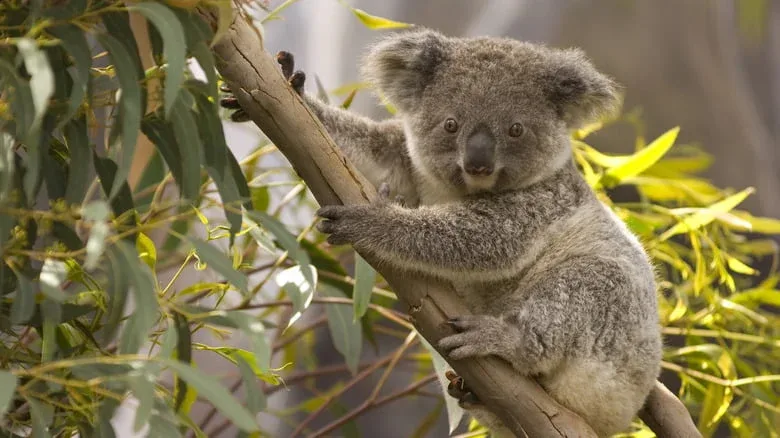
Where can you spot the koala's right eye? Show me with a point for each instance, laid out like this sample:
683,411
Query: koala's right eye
450,125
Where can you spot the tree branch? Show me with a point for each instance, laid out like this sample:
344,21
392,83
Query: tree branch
254,76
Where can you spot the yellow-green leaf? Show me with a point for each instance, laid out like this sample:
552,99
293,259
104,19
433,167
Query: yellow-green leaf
146,250
641,160
375,23
763,225
704,216
225,11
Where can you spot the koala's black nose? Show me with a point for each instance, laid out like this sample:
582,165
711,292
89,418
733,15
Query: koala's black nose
479,156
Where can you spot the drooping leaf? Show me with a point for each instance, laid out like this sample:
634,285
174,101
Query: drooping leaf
136,329
143,390
7,388
80,169
216,393
175,47
24,301
126,66
75,43
255,398
183,354
160,132
440,367
364,285
345,332
190,144
225,19
285,239
42,415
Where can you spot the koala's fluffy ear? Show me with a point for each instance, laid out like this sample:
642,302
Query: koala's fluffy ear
580,93
403,64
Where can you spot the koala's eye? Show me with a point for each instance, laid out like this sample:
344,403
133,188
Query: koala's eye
450,125
516,130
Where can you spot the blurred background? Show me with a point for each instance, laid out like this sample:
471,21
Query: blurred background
711,67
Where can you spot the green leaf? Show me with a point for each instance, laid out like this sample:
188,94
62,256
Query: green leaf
143,389
75,43
7,387
190,144
53,274
146,250
42,415
199,34
220,263
136,330
364,285
344,330
24,301
704,216
440,367
80,169
255,398
131,110
763,225
175,48
21,101
183,354
216,393
298,288
375,23
641,160
160,132
761,296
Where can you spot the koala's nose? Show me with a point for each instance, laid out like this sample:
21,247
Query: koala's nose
479,156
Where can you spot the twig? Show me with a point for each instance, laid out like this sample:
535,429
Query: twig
371,404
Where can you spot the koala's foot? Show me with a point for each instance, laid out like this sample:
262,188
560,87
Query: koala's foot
296,80
458,389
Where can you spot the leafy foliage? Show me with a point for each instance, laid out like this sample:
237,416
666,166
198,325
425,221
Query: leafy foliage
112,280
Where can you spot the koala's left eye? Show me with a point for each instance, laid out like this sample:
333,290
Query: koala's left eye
516,130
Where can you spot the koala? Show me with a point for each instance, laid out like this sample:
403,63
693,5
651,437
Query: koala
479,150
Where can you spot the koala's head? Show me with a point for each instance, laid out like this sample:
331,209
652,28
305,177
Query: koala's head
487,114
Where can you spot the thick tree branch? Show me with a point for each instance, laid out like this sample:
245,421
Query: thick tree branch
253,75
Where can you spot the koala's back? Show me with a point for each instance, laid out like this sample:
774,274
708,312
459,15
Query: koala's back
608,370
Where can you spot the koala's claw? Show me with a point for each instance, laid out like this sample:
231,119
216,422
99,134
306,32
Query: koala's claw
457,389
296,79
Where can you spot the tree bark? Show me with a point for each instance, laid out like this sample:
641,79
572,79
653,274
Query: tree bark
254,76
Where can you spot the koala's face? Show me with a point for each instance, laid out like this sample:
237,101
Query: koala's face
487,114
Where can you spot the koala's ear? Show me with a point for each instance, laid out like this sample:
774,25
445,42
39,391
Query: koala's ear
402,65
580,93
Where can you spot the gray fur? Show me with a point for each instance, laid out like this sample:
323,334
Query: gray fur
557,285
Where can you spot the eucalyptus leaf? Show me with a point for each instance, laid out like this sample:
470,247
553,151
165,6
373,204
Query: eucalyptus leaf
24,301
175,47
365,275
126,65
7,387
216,393
220,263
75,43
299,289
345,332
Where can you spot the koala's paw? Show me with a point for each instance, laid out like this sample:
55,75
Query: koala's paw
478,335
295,78
342,223
458,389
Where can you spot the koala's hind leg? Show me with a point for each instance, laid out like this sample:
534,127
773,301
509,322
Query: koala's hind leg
296,79
467,400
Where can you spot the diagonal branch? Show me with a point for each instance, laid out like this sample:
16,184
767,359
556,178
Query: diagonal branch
253,75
